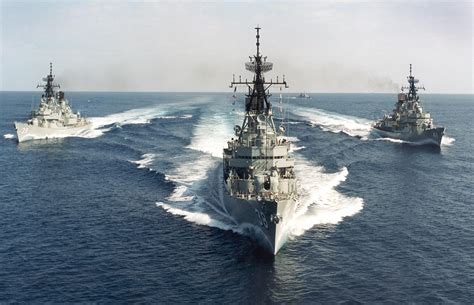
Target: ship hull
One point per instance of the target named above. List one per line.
(259, 218)
(431, 136)
(27, 132)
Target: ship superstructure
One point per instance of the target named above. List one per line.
(408, 121)
(54, 116)
(259, 180)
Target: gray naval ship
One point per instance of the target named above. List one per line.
(54, 116)
(408, 122)
(259, 181)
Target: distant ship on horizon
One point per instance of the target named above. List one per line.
(303, 95)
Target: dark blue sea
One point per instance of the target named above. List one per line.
(131, 211)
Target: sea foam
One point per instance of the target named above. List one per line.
(447, 141)
(319, 200)
(198, 197)
(336, 123)
(9, 136)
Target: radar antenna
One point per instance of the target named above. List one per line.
(257, 97)
(412, 89)
(49, 86)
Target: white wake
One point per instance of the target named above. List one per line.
(146, 161)
(212, 133)
(352, 126)
(319, 201)
(336, 123)
(196, 217)
(197, 196)
(196, 191)
(100, 125)
(447, 141)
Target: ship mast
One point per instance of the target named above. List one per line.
(412, 89)
(257, 98)
(49, 86)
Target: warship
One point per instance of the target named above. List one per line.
(54, 116)
(408, 122)
(303, 95)
(259, 180)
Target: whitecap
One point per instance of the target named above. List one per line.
(145, 161)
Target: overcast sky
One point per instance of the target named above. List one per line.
(321, 46)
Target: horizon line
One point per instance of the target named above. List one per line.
(295, 92)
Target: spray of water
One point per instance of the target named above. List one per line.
(320, 202)
(447, 141)
(212, 133)
(198, 197)
(9, 136)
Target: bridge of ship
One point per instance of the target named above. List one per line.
(259, 170)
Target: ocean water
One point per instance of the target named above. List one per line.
(131, 211)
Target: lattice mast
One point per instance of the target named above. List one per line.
(49, 86)
(412, 89)
(257, 100)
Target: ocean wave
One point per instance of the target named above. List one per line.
(294, 148)
(181, 193)
(9, 136)
(101, 125)
(198, 198)
(184, 117)
(211, 134)
(198, 194)
(319, 201)
(290, 139)
(390, 140)
(353, 126)
(447, 141)
(146, 161)
(336, 123)
(199, 218)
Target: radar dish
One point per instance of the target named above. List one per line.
(265, 66)
(261, 118)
